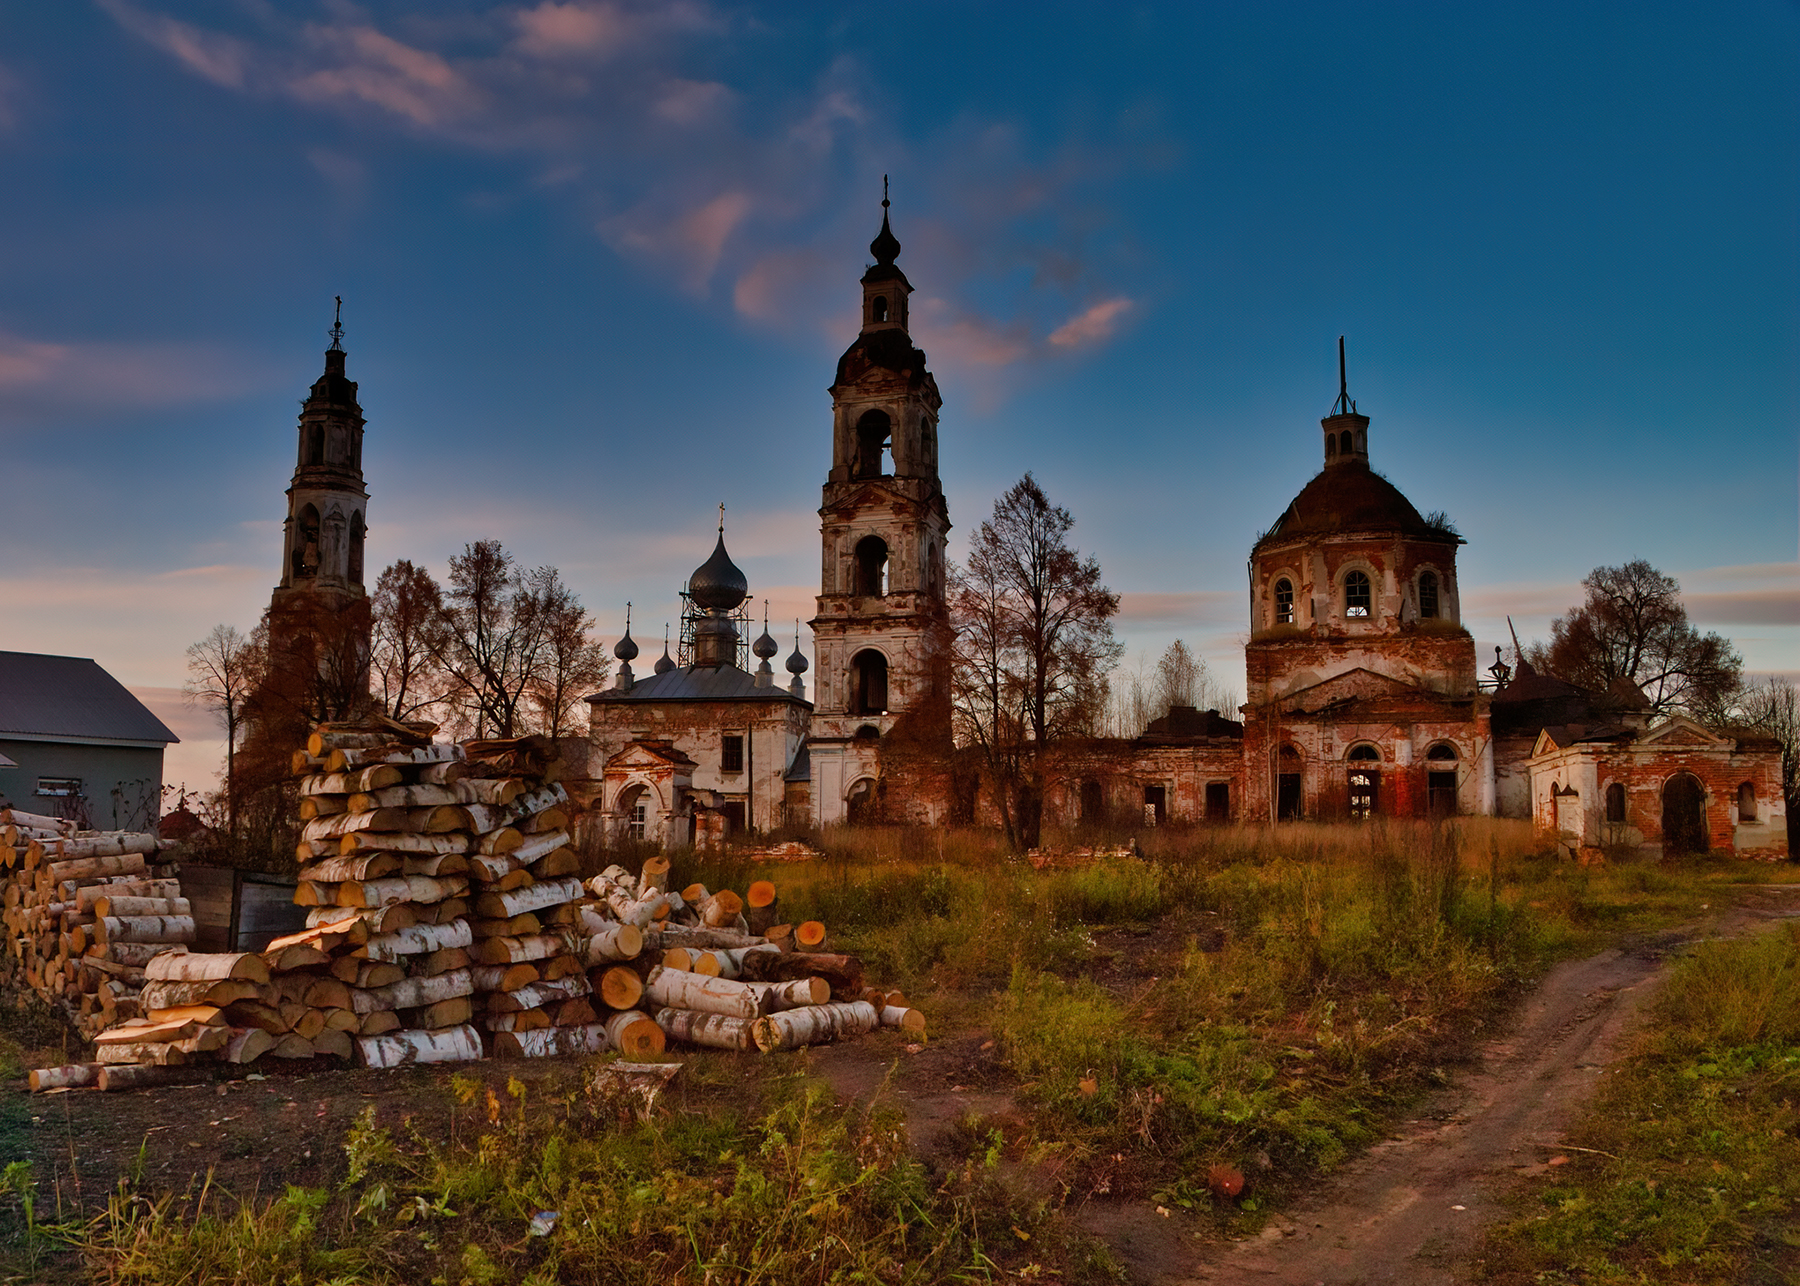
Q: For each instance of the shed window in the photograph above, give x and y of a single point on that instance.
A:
(59, 787)
(1356, 594)
(731, 755)
(1615, 803)
(1284, 601)
(1746, 803)
(1428, 595)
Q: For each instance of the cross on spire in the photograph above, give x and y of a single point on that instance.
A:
(337, 327)
(721, 520)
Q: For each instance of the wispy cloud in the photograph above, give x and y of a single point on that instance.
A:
(40, 375)
(1093, 325)
(1141, 610)
(211, 55)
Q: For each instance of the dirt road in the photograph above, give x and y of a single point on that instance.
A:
(1411, 1208)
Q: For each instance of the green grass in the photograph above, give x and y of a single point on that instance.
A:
(1688, 1168)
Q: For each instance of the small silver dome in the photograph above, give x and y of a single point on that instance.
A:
(765, 647)
(665, 662)
(796, 664)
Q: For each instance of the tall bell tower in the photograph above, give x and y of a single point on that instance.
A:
(880, 634)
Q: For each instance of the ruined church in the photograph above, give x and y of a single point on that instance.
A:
(1364, 697)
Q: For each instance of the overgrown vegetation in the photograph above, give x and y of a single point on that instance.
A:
(1687, 1168)
(1206, 1025)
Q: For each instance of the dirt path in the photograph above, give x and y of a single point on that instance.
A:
(1411, 1208)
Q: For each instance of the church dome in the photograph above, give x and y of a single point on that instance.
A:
(765, 647)
(665, 662)
(625, 649)
(717, 584)
(1349, 496)
(796, 664)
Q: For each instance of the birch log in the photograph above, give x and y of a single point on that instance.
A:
(793, 1028)
(618, 986)
(614, 942)
(412, 993)
(534, 898)
(397, 1049)
(194, 966)
(537, 946)
(720, 1031)
(674, 989)
(538, 994)
(73, 1076)
(416, 940)
(549, 1042)
(635, 1035)
(907, 1020)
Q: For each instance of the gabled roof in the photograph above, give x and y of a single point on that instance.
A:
(70, 698)
(1679, 730)
(646, 750)
(699, 683)
(1359, 683)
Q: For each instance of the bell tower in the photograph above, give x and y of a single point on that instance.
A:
(882, 616)
(319, 613)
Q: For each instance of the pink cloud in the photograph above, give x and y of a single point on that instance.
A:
(687, 102)
(414, 83)
(208, 54)
(551, 29)
(1092, 326)
(1144, 609)
(39, 374)
(692, 241)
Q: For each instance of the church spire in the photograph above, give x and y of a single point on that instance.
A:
(1346, 428)
(886, 246)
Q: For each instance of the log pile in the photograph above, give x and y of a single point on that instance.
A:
(84, 912)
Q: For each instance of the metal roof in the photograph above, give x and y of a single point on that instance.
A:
(699, 683)
(70, 698)
(801, 768)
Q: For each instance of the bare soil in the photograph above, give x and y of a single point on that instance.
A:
(1409, 1210)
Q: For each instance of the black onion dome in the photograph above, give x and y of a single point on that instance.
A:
(765, 647)
(718, 585)
(886, 246)
(625, 649)
(665, 662)
(1350, 496)
(796, 664)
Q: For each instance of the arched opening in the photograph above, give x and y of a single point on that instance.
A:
(1746, 803)
(1615, 804)
(860, 802)
(1364, 753)
(1365, 782)
(1684, 815)
(874, 436)
(1428, 595)
(314, 450)
(871, 566)
(1284, 601)
(634, 807)
(356, 547)
(868, 732)
(878, 308)
(1344, 442)
(1093, 802)
(868, 683)
(1440, 779)
(1357, 594)
(1288, 773)
(306, 543)
(1330, 445)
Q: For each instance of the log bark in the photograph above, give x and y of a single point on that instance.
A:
(813, 1025)
(73, 1076)
(194, 966)
(613, 942)
(551, 1042)
(458, 1044)
(416, 940)
(204, 991)
(397, 889)
(137, 1078)
(538, 994)
(692, 1027)
(413, 993)
(88, 894)
(126, 906)
(503, 977)
(494, 951)
(535, 898)
(635, 1035)
(842, 972)
(674, 989)
(88, 867)
(907, 1020)
(352, 783)
(801, 992)
(437, 753)
(676, 935)
(333, 870)
(300, 955)
(368, 842)
(137, 954)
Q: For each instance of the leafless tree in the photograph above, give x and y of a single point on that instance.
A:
(572, 663)
(1034, 645)
(1142, 694)
(408, 634)
(1633, 627)
(1773, 705)
(224, 671)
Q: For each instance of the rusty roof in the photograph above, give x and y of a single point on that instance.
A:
(1349, 496)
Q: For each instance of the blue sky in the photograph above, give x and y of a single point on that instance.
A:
(598, 260)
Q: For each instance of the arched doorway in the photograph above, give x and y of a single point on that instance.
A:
(861, 802)
(634, 807)
(1684, 815)
(1288, 773)
(868, 683)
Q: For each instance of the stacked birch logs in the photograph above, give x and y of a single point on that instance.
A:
(84, 913)
(710, 981)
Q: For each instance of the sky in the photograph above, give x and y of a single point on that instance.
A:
(598, 259)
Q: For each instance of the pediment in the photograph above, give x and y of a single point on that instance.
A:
(638, 757)
(1357, 684)
(1681, 731)
(1544, 744)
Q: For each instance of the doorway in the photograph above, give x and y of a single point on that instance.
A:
(1684, 815)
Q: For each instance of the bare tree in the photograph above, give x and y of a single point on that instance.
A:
(1034, 646)
(1178, 677)
(1633, 626)
(571, 663)
(224, 671)
(1773, 705)
(408, 636)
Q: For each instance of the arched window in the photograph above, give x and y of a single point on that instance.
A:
(1428, 595)
(1746, 803)
(1330, 445)
(1684, 815)
(1289, 773)
(1357, 597)
(356, 547)
(1615, 803)
(871, 566)
(1364, 753)
(1284, 601)
(873, 435)
(878, 308)
(861, 801)
(315, 443)
(306, 543)
(868, 683)
(1442, 751)
(634, 806)
(1344, 443)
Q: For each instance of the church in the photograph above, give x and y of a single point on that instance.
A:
(1363, 695)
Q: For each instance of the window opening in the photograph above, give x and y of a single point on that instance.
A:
(1156, 805)
(356, 548)
(1615, 803)
(1365, 794)
(734, 817)
(1344, 443)
(871, 566)
(874, 433)
(1746, 803)
(1684, 815)
(1440, 793)
(1428, 595)
(1330, 445)
(640, 817)
(1093, 802)
(879, 309)
(59, 787)
(868, 683)
(1287, 784)
(1356, 594)
(1284, 602)
(1442, 751)
(1363, 754)
(861, 802)
(1218, 801)
(731, 754)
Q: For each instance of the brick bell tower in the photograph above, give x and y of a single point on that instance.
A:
(319, 613)
(879, 636)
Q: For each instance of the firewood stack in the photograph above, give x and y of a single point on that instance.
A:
(84, 912)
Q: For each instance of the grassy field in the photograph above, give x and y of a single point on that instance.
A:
(1209, 1026)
